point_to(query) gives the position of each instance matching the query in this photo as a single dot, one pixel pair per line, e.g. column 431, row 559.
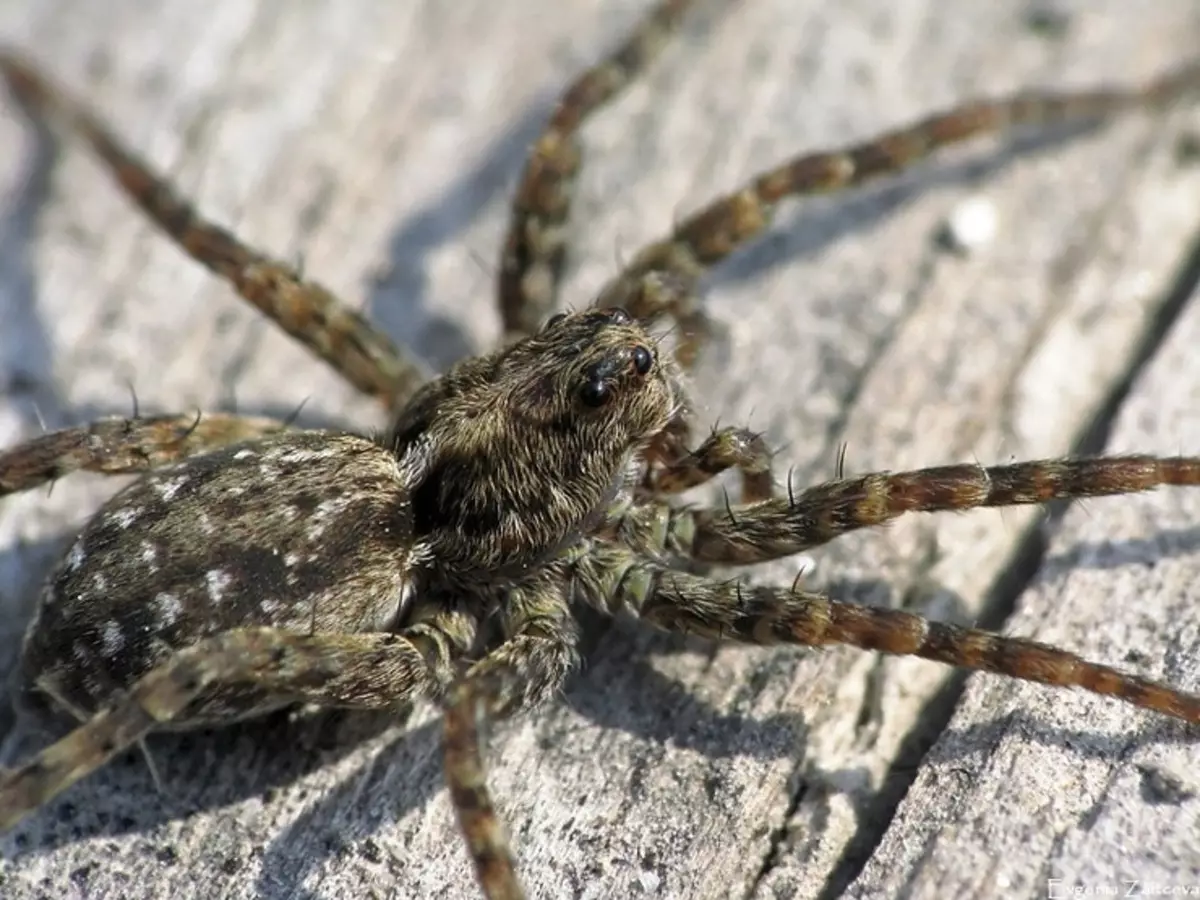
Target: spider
column 256, row 565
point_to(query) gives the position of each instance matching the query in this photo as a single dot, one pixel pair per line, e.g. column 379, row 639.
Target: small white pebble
column 972, row 224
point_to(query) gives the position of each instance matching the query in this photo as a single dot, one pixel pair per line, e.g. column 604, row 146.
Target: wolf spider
column 257, row 565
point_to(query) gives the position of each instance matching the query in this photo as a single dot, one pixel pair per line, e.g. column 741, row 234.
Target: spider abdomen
column 300, row 531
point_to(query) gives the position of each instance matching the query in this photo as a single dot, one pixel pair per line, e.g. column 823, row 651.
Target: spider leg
column 373, row 670
column 657, row 294
column 531, row 664
column 306, row 310
column 466, row 777
column 783, row 526
column 726, row 448
column 714, row 232
column 534, row 249
column 613, row 577
column 119, row 446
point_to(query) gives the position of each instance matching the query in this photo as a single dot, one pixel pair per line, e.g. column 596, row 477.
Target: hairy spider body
column 439, row 521
column 254, row 565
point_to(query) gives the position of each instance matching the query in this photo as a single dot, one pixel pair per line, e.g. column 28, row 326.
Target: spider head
column 594, row 376
column 516, row 455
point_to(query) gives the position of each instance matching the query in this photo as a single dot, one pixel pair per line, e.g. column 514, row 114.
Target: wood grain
column 377, row 143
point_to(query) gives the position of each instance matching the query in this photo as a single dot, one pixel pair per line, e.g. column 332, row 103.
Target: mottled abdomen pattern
column 309, row 532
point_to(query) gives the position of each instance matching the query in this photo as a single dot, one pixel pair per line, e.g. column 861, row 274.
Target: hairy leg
column 680, row 469
column 121, row 446
column 711, row 234
column 655, row 295
column 780, row 527
column 306, row 310
column 613, row 577
column 466, row 778
column 374, row 670
column 532, row 258
column 538, row 653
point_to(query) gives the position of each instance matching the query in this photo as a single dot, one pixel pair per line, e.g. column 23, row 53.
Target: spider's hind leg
column 306, row 310
column 381, row 670
column 119, row 446
column 783, row 526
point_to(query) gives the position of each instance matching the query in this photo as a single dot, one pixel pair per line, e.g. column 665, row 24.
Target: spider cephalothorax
column 521, row 451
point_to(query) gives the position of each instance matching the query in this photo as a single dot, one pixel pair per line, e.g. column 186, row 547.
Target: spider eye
column 555, row 319
column 618, row 316
column 643, row 359
column 595, row 393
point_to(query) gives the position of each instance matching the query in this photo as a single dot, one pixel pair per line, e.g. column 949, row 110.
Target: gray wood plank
column 1036, row 793
column 378, row 143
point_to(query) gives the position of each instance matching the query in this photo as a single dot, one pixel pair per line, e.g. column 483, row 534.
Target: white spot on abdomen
column 218, row 581
column 168, row 489
column 77, row 555
column 125, row 516
column 112, row 639
column 326, row 510
column 168, row 608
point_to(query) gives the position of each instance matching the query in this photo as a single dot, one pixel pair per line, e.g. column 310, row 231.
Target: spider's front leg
column 122, row 446
column 784, row 526
column 380, row 670
column 713, row 233
column 531, row 664
column 534, row 251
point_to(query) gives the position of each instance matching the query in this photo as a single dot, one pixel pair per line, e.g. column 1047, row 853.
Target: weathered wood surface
column 378, row 142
